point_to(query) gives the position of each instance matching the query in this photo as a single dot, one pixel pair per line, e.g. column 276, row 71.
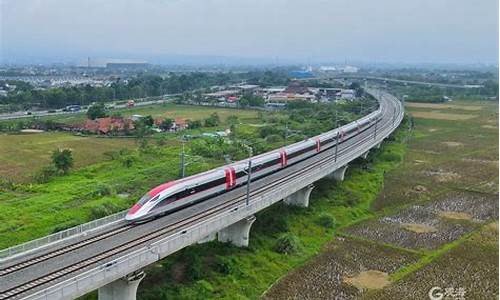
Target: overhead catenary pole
column 336, row 146
column 249, row 172
column 183, row 164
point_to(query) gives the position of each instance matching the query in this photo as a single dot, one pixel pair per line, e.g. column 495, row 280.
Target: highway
column 47, row 113
column 30, row 275
column 385, row 79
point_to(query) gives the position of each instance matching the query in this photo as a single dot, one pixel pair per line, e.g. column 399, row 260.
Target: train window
column 145, row 199
column 170, row 199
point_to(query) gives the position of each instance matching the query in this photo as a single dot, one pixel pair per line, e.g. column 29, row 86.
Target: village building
column 108, row 125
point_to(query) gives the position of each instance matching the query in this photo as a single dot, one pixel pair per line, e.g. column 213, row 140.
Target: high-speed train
column 174, row 195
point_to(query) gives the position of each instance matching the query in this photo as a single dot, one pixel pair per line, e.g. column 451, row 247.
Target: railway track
column 227, row 205
column 63, row 250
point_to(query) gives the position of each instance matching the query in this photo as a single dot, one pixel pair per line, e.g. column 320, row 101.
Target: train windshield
column 145, row 199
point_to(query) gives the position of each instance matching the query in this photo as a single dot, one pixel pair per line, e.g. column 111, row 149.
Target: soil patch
column 344, row 269
column 481, row 161
column 419, row 228
column 493, row 226
column 432, row 129
column 455, row 215
column 32, row 131
column 436, row 115
column 489, row 127
column 442, row 176
column 420, row 189
column 371, row 279
column 444, row 106
column 453, row 144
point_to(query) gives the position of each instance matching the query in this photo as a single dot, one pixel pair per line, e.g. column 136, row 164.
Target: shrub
column 62, row 159
column 103, row 210
column 128, row 160
column 194, row 269
column 326, row 220
column 274, row 138
column 392, row 157
column 194, row 124
column 64, row 226
column 96, row 111
column 213, row 120
column 288, row 243
column 45, row 174
column 223, row 265
column 104, row 190
column 273, row 221
column 111, row 155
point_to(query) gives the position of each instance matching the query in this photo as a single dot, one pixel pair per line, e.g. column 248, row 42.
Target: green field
column 109, row 173
column 23, row 155
column 440, row 205
column 166, row 110
column 222, row 271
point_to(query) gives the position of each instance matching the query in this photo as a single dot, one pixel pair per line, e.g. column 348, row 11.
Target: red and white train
column 174, row 195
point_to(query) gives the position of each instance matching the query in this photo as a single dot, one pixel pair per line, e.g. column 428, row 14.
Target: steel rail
column 156, row 234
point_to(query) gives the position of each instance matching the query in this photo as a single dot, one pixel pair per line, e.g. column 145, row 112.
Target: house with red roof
column 108, row 125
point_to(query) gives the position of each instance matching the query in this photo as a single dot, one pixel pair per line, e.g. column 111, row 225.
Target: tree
column 356, row 87
column 213, row 120
column 97, row 110
column 193, row 124
column 249, row 99
column 62, row 160
column 232, row 121
column 167, row 124
column 148, row 120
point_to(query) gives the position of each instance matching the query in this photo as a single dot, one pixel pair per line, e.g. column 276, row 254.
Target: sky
column 276, row 31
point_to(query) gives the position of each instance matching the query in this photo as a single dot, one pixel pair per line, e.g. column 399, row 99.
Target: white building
column 350, row 69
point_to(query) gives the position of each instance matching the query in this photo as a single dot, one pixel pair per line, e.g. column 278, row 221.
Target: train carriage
column 178, row 194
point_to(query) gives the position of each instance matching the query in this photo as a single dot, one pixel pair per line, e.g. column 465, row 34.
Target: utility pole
column 183, row 165
column 286, row 133
column 249, row 172
column 336, row 146
column 336, row 116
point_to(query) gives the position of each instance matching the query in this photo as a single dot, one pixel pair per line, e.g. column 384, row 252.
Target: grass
column 83, row 195
column 470, row 260
column 247, row 273
column 470, row 263
column 166, row 110
column 23, row 155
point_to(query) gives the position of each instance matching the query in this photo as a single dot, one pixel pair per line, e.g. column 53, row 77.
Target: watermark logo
column 449, row 293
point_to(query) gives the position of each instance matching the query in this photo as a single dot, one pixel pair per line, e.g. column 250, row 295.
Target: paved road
column 126, row 234
column 445, row 85
column 45, row 113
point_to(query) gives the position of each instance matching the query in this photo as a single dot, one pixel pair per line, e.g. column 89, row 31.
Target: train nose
column 132, row 211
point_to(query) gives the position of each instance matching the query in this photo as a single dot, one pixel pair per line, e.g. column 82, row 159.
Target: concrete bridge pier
column 365, row 155
column 378, row 145
column 238, row 233
column 338, row 174
column 300, row 197
column 122, row 289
